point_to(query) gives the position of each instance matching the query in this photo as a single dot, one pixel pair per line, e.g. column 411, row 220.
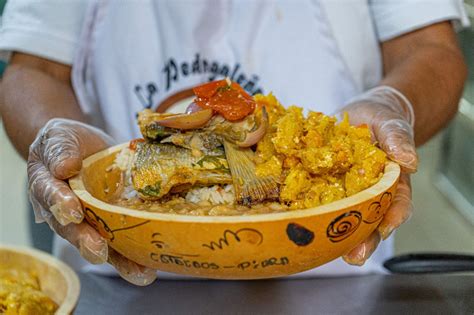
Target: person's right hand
column 56, row 155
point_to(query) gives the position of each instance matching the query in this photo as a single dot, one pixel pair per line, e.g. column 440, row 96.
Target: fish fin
column 249, row 188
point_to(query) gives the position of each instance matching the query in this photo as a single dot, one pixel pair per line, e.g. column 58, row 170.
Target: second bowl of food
column 33, row 282
column 252, row 193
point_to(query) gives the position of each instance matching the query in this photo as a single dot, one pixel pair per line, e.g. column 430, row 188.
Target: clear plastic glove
column 56, row 155
column 390, row 117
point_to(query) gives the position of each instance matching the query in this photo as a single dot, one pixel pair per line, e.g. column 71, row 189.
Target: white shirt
column 343, row 61
column 51, row 28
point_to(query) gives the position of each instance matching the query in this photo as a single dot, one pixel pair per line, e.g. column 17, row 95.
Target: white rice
column 124, row 162
column 213, row 195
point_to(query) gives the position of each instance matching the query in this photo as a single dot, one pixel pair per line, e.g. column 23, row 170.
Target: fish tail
column 249, row 188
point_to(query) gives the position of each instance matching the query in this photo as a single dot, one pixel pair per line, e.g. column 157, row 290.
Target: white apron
column 135, row 54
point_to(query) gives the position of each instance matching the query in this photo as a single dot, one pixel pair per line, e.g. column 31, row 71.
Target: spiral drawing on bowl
column 343, row 226
column 376, row 208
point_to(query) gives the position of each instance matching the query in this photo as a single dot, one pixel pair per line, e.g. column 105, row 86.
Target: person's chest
column 141, row 55
column 138, row 56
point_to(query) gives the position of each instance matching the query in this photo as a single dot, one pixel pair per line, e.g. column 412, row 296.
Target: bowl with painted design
column 252, row 246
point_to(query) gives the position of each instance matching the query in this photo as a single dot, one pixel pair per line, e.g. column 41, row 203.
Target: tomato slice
column 207, row 90
column 229, row 100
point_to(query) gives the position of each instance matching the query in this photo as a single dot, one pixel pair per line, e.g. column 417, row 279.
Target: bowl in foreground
column 231, row 247
column 57, row 280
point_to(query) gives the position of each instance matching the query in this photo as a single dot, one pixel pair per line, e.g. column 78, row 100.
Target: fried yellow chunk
column 365, row 172
column 313, row 196
column 274, row 109
column 320, row 123
column 272, row 167
column 369, row 161
column 328, row 150
column 265, row 149
column 317, row 159
column 288, row 138
column 20, row 294
column 295, row 185
column 334, row 190
column 323, row 191
column 291, row 161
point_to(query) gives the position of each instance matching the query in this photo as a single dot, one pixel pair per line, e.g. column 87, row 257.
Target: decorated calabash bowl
column 56, row 279
column 231, row 247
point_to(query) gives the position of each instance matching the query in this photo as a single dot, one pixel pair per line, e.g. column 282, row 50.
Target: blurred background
column 443, row 187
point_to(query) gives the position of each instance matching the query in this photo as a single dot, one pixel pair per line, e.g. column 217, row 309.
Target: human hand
column 56, row 155
column 390, row 117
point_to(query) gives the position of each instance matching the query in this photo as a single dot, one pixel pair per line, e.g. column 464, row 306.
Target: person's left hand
column 390, row 117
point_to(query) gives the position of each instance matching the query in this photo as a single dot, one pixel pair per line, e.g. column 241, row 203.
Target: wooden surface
column 372, row 294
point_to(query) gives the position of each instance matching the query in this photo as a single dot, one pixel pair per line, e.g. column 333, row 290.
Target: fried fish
column 162, row 168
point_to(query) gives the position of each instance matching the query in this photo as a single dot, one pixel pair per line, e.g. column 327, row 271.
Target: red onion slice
column 192, row 108
column 187, row 121
column 255, row 136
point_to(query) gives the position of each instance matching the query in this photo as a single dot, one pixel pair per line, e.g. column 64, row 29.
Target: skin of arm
column 33, row 91
column 428, row 67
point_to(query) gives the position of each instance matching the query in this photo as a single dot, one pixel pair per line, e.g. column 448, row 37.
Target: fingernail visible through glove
column 95, row 252
column 363, row 251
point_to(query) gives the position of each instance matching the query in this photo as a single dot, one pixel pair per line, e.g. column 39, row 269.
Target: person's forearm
column 427, row 66
column 35, row 90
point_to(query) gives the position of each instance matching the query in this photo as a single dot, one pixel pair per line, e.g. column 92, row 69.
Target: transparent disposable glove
column 56, row 155
column 390, row 117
